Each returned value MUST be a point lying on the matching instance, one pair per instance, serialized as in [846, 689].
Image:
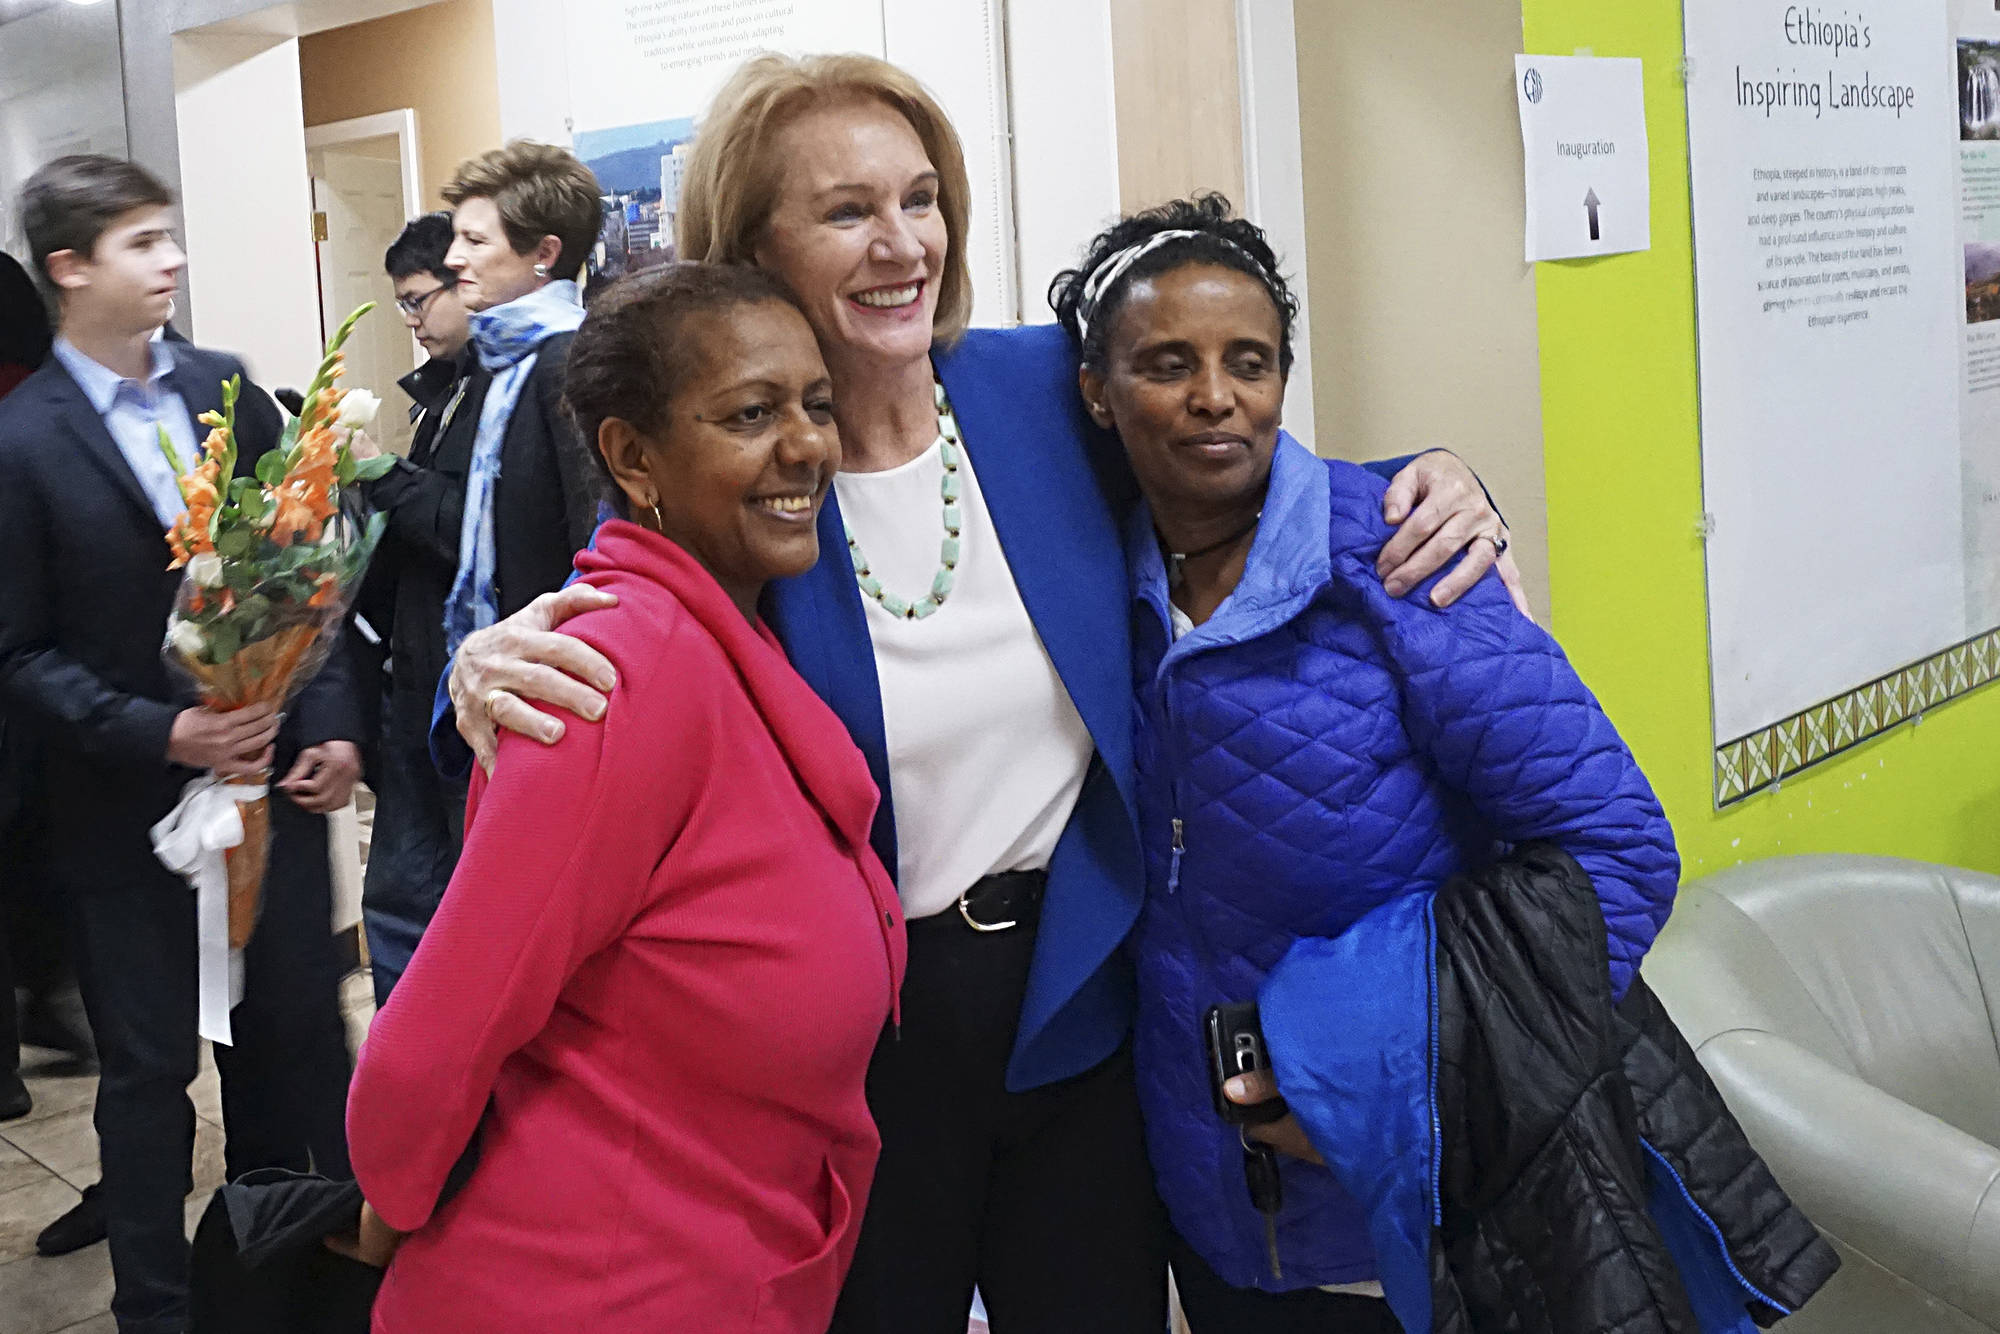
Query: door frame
[402, 123]
[1274, 197]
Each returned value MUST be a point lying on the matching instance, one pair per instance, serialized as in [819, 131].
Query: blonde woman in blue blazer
[968, 621]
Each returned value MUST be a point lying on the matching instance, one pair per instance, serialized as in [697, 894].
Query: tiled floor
[50, 1155]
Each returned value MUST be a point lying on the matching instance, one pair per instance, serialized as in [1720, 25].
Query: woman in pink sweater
[658, 974]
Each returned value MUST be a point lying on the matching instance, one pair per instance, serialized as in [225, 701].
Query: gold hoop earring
[659, 523]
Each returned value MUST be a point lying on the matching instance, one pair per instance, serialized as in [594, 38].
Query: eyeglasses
[413, 306]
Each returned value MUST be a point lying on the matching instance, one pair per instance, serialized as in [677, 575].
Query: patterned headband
[1114, 267]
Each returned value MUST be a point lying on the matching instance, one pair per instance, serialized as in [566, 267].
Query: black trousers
[32, 955]
[1214, 1307]
[284, 1081]
[1042, 1199]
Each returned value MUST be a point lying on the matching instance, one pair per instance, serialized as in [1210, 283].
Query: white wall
[1424, 319]
[1065, 124]
[247, 202]
[1039, 195]
[60, 93]
[1051, 127]
[959, 52]
[1274, 192]
[525, 36]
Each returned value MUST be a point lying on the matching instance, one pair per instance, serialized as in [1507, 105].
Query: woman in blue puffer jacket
[1309, 748]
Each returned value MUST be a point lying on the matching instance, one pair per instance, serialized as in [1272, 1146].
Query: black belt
[1003, 902]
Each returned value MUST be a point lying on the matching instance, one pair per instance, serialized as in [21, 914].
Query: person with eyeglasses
[420, 814]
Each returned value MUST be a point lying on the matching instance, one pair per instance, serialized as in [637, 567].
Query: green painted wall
[1622, 450]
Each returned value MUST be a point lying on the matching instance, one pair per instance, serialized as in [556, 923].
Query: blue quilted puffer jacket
[1315, 750]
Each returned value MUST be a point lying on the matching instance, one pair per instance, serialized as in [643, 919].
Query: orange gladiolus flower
[296, 515]
[201, 489]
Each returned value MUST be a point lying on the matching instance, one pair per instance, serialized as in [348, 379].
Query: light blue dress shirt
[133, 413]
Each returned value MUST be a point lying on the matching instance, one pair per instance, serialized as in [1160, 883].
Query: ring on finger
[1499, 540]
[493, 697]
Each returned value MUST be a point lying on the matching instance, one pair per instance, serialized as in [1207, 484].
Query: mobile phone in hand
[1235, 1042]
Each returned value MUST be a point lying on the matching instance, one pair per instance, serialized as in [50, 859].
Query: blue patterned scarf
[507, 339]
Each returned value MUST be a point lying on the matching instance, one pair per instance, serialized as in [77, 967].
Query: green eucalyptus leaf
[367, 470]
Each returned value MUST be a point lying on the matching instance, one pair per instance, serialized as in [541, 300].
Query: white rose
[187, 639]
[357, 409]
[205, 568]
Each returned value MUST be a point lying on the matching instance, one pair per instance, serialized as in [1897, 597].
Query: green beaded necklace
[903, 608]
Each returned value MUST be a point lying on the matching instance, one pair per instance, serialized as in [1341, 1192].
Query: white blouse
[987, 752]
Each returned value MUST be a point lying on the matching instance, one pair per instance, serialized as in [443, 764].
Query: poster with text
[1833, 289]
[632, 62]
[1977, 64]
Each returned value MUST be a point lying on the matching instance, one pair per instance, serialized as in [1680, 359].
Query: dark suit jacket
[411, 576]
[545, 506]
[17, 749]
[14, 769]
[424, 497]
[84, 602]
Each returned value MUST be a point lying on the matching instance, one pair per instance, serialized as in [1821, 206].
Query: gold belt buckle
[984, 928]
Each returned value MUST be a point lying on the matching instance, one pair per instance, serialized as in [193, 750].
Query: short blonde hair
[540, 190]
[733, 173]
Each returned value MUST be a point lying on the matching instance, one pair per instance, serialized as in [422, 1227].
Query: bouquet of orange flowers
[272, 561]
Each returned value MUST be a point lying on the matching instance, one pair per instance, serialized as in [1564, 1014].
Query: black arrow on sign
[1590, 202]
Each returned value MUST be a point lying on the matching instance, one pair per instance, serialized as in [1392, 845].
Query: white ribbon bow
[190, 842]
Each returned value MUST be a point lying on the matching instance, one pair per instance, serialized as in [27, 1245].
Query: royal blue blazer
[1058, 489]
[1039, 459]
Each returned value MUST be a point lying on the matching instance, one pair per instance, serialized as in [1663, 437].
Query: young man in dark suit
[85, 501]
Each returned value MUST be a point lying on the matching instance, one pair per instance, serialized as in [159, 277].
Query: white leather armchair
[1849, 1010]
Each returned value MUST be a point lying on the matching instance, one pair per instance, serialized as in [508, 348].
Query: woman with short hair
[663, 961]
[968, 620]
[525, 218]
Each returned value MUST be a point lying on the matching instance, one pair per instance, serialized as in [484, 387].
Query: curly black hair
[1222, 239]
[631, 355]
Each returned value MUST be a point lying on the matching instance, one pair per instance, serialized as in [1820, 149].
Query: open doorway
[364, 187]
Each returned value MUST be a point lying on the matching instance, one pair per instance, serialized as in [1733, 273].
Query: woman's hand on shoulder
[526, 657]
[1440, 509]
